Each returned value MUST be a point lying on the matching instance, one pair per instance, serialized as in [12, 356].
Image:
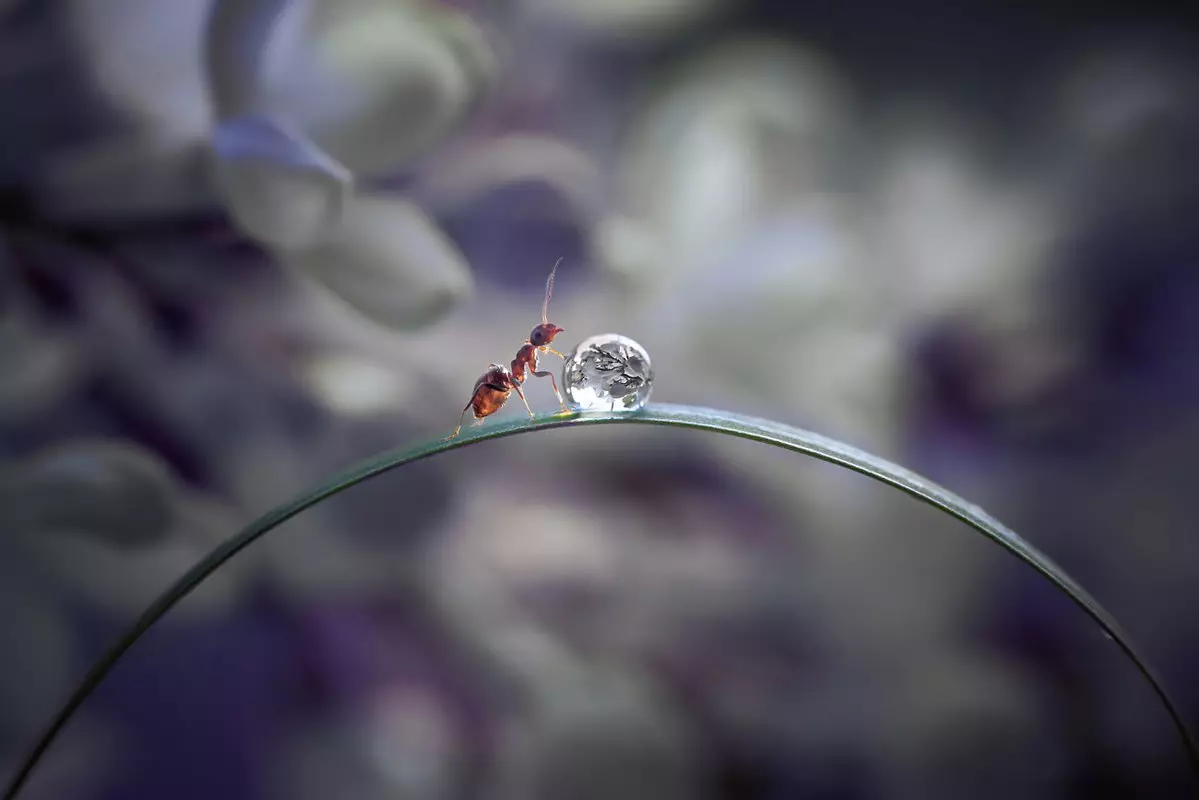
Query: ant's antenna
[549, 291]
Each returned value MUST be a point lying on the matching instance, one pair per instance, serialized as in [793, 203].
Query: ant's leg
[548, 349]
[545, 373]
[461, 417]
[520, 392]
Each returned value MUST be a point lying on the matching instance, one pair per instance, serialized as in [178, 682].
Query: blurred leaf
[743, 132]
[143, 58]
[602, 733]
[702, 419]
[39, 365]
[102, 490]
[372, 82]
[38, 653]
[626, 20]
[120, 178]
[387, 259]
[280, 187]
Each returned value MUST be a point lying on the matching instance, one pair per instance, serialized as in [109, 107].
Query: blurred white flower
[387, 259]
[755, 268]
[272, 109]
[1113, 95]
[144, 57]
[351, 385]
[310, 94]
[971, 727]
[793, 321]
[626, 19]
[734, 138]
[35, 635]
[121, 176]
[479, 166]
[39, 366]
[366, 83]
[107, 490]
[599, 731]
[106, 521]
[1124, 124]
[279, 187]
[414, 744]
[954, 239]
[403, 743]
[372, 82]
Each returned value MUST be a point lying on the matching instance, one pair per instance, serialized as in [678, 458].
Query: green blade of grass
[702, 419]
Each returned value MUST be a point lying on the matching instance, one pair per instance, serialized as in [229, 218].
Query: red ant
[494, 388]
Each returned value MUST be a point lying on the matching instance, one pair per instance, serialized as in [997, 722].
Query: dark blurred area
[244, 243]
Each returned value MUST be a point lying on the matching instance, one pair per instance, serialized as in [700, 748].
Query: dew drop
[608, 372]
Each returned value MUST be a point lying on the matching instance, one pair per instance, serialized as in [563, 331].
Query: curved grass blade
[758, 430]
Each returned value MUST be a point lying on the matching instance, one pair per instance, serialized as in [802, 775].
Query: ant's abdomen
[488, 400]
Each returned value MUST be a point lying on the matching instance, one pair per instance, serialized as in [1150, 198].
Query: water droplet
[608, 372]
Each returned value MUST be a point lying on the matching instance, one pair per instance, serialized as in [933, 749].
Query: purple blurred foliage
[406, 639]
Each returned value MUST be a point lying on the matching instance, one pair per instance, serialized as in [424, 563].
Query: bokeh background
[246, 242]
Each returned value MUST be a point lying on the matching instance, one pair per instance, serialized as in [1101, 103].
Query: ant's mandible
[495, 386]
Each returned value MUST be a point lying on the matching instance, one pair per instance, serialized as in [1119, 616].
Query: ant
[495, 386]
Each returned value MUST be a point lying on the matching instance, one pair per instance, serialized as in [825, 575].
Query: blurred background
[244, 243]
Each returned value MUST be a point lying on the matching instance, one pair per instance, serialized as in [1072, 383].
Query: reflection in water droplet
[608, 372]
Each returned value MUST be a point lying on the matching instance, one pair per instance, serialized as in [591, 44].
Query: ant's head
[544, 333]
